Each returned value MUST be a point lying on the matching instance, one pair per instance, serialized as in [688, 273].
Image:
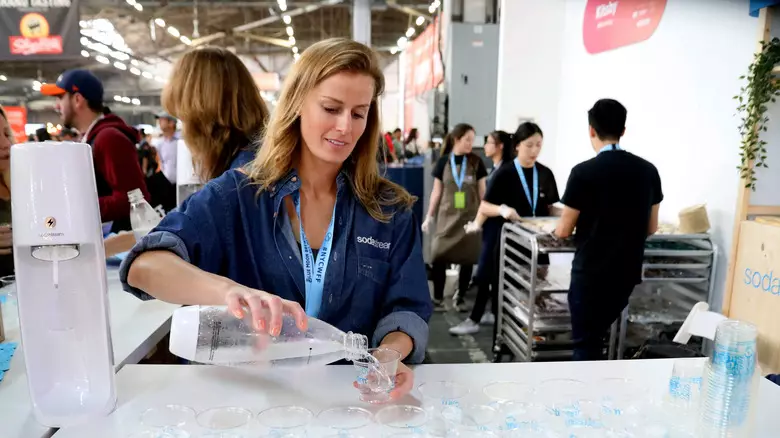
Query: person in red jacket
[79, 96]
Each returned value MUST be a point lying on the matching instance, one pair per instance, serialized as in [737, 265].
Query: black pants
[594, 306]
[439, 274]
[487, 274]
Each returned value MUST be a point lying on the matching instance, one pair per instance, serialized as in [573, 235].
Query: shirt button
[330, 299]
[294, 179]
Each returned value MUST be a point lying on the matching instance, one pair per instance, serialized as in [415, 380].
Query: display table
[200, 387]
[136, 327]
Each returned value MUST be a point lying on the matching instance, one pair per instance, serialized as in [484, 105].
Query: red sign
[424, 69]
[36, 46]
[17, 118]
[38, 30]
[609, 25]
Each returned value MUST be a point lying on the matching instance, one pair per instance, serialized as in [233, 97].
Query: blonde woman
[219, 132]
[6, 242]
[312, 197]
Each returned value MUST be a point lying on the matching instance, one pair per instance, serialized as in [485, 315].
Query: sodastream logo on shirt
[373, 242]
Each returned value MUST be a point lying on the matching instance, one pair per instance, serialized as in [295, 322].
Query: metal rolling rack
[534, 322]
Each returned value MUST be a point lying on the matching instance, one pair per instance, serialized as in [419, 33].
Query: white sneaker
[467, 327]
[488, 319]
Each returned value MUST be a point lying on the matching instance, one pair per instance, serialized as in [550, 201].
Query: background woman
[498, 150]
[522, 189]
[411, 148]
[6, 241]
[458, 186]
[218, 131]
[312, 197]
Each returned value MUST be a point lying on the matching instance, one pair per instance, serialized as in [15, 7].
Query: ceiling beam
[264, 39]
[408, 10]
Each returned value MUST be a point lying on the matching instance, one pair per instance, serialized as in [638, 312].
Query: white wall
[392, 101]
[529, 67]
[677, 86]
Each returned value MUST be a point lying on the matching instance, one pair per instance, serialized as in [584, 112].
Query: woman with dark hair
[503, 203]
[411, 149]
[41, 134]
[458, 186]
[498, 149]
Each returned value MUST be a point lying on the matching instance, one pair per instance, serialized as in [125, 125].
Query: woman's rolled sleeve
[407, 306]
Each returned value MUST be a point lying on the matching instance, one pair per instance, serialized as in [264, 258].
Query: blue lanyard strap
[458, 181]
[314, 270]
[610, 147]
[521, 174]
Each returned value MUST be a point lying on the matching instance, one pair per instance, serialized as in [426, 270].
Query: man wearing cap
[79, 96]
[167, 147]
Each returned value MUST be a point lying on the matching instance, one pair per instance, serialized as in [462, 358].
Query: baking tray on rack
[677, 247]
[556, 280]
[546, 242]
[676, 275]
[541, 325]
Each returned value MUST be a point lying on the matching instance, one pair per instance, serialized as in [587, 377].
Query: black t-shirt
[506, 188]
[438, 170]
[614, 193]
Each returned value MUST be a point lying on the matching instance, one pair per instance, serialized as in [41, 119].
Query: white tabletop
[136, 327]
[200, 387]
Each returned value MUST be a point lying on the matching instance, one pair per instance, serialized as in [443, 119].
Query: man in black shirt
[613, 200]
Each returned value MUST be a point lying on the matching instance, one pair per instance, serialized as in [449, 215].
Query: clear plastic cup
[376, 375]
[225, 421]
[517, 418]
[345, 419]
[558, 395]
[470, 418]
[402, 420]
[508, 391]
[437, 396]
[285, 421]
[151, 434]
[171, 419]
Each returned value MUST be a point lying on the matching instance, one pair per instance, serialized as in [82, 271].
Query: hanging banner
[609, 25]
[17, 118]
[39, 29]
[423, 67]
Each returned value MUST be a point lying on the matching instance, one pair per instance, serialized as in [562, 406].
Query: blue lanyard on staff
[458, 181]
[521, 174]
[610, 147]
[314, 270]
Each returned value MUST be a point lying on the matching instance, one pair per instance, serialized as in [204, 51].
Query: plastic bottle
[212, 335]
[142, 216]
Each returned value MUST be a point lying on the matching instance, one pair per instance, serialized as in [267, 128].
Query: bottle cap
[184, 332]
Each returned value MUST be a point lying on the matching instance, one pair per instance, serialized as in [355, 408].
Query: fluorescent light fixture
[297, 56]
[147, 75]
[160, 22]
[120, 65]
[287, 19]
[138, 7]
[410, 32]
[159, 79]
[185, 40]
[136, 101]
[135, 71]
[84, 41]
[420, 20]
[402, 42]
[3, 78]
[290, 31]
[292, 40]
[393, 50]
[134, 62]
[173, 31]
[117, 98]
[82, 23]
[295, 49]
[125, 99]
[102, 59]
[85, 54]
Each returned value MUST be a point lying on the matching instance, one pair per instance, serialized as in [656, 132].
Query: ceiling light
[85, 54]
[173, 31]
[402, 42]
[393, 50]
[138, 7]
[125, 99]
[135, 71]
[297, 56]
[290, 31]
[282, 5]
[420, 20]
[292, 40]
[82, 23]
[84, 41]
[410, 32]
[160, 22]
[287, 19]
[147, 75]
[3, 78]
[120, 65]
[159, 79]
[102, 59]
[117, 98]
[295, 49]
[134, 62]
[136, 101]
[185, 40]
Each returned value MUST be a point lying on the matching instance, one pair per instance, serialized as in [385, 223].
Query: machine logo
[50, 222]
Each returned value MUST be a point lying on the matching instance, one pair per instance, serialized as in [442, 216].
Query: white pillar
[361, 21]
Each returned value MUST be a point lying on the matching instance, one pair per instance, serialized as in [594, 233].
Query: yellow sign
[33, 26]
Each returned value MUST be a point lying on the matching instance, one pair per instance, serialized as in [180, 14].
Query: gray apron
[451, 244]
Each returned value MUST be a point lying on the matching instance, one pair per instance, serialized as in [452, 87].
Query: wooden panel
[756, 289]
[763, 210]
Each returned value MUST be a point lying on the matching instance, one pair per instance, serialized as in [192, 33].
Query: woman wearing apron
[458, 186]
[522, 188]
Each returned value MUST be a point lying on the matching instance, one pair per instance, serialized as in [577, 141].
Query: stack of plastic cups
[730, 384]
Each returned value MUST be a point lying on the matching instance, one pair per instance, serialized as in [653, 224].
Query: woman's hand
[266, 309]
[426, 225]
[404, 381]
[508, 213]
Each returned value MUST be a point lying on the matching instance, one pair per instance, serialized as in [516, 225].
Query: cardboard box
[755, 295]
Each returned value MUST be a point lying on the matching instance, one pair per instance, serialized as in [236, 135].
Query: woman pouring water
[312, 197]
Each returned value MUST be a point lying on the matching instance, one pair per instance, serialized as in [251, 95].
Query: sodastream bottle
[213, 335]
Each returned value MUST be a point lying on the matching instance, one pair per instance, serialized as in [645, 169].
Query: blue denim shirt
[375, 283]
[244, 156]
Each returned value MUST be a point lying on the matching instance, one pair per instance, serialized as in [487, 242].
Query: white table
[201, 387]
[136, 327]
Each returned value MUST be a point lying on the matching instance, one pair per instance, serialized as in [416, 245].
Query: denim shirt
[243, 157]
[375, 283]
